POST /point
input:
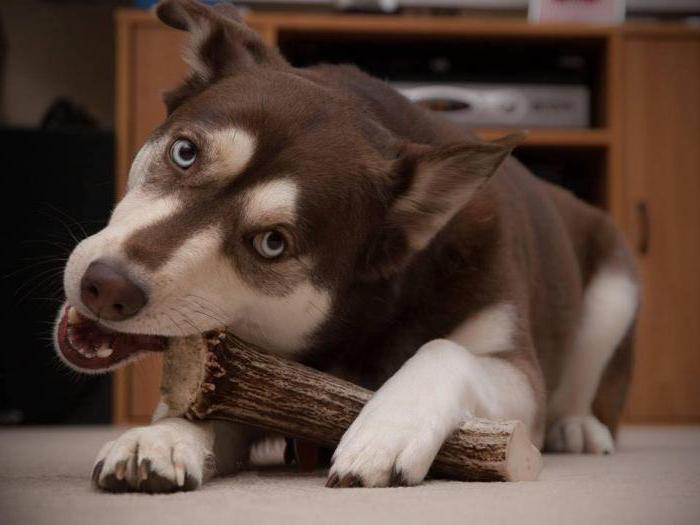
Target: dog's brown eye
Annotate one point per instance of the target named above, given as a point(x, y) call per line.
point(270, 244)
point(183, 153)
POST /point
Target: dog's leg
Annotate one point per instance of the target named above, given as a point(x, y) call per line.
point(169, 455)
point(398, 433)
point(610, 304)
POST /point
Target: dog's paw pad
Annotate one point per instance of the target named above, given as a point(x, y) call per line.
point(579, 434)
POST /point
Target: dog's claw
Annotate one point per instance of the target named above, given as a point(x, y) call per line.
point(180, 474)
point(96, 471)
point(120, 470)
point(350, 481)
point(144, 469)
point(332, 481)
point(397, 479)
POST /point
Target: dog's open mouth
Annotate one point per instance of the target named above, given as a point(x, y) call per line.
point(86, 344)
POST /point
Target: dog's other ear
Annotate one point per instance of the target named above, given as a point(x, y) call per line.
point(431, 184)
point(220, 43)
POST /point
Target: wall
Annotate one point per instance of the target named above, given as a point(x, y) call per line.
point(56, 49)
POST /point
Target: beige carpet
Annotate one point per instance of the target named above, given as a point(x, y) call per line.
point(654, 478)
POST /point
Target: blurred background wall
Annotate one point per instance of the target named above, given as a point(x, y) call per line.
point(56, 48)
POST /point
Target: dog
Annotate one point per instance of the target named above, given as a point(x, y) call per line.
point(320, 215)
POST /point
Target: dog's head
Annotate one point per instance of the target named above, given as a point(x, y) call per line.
point(263, 196)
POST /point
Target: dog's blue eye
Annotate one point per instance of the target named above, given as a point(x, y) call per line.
point(270, 244)
point(183, 153)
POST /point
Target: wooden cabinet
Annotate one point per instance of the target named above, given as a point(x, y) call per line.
point(642, 155)
point(661, 166)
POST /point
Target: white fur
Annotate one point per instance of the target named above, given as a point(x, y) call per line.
point(138, 209)
point(268, 451)
point(161, 411)
point(141, 163)
point(578, 434)
point(283, 324)
point(175, 447)
point(404, 424)
point(270, 202)
point(231, 151)
point(610, 303)
point(489, 331)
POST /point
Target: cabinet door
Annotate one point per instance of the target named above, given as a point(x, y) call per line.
point(662, 172)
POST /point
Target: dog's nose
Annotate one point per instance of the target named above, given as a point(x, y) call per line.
point(109, 294)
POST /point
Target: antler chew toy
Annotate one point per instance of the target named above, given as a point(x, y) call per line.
point(218, 376)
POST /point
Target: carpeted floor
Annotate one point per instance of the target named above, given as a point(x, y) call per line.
point(654, 478)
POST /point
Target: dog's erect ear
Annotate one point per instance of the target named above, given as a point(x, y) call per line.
point(431, 184)
point(220, 43)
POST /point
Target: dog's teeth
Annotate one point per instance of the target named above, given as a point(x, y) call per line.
point(86, 353)
point(72, 341)
point(104, 351)
point(73, 316)
point(180, 474)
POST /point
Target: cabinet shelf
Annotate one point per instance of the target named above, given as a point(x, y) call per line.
point(577, 138)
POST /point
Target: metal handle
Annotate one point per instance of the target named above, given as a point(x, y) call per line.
point(644, 234)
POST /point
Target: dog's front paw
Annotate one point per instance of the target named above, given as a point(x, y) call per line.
point(151, 459)
point(579, 434)
point(382, 449)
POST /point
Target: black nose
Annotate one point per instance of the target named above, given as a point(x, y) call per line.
point(109, 294)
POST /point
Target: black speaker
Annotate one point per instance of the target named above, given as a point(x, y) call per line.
point(57, 187)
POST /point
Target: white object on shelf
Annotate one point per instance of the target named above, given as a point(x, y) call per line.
point(595, 11)
point(507, 105)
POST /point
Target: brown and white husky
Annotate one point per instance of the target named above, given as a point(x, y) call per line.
point(320, 215)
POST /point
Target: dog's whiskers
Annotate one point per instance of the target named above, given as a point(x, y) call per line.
point(208, 304)
point(66, 226)
point(37, 264)
point(176, 327)
point(31, 286)
point(186, 319)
